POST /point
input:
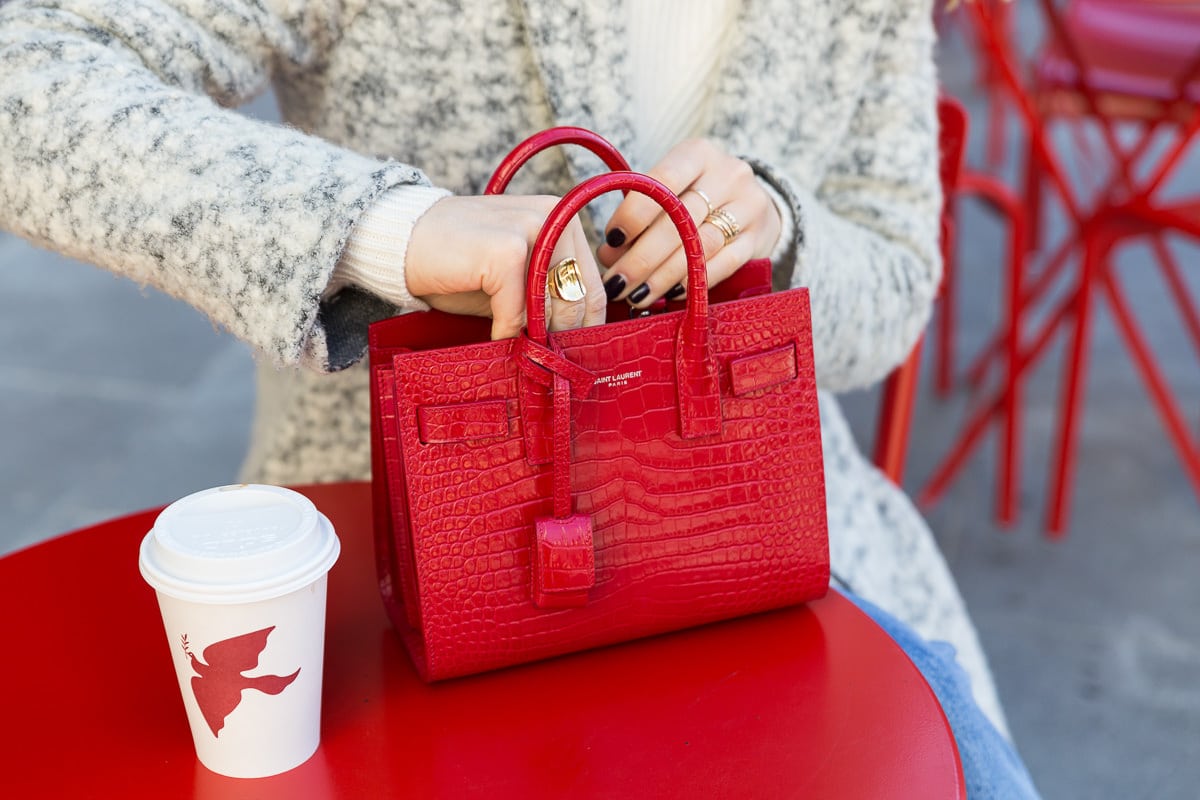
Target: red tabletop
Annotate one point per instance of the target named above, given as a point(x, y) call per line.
point(808, 702)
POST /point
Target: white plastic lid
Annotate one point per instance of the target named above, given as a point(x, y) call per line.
point(237, 544)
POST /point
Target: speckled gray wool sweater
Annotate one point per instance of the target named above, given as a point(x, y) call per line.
point(116, 146)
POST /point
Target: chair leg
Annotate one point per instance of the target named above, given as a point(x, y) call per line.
point(1179, 289)
point(983, 412)
point(895, 417)
point(884, 427)
point(1095, 251)
point(1156, 382)
point(1010, 465)
point(946, 313)
point(1032, 191)
point(997, 135)
point(996, 145)
point(978, 369)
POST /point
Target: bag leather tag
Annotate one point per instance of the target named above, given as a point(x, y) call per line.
point(564, 562)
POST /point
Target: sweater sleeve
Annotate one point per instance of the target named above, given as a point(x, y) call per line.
point(117, 147)
point(865, 241)
point(376, 253)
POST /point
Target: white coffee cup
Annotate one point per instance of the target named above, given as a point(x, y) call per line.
point(240, 573)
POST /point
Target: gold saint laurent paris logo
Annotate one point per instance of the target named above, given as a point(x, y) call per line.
point(619, 378)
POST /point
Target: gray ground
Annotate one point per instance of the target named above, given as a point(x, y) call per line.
point(113, 399)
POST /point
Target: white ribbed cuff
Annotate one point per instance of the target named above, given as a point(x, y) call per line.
point(787, 220)
point(374, 256)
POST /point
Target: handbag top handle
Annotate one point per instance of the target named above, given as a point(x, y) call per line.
point(548, 138)
point(573, 202)
point(699, 399)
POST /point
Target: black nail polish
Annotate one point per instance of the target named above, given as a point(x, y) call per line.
point(614, 286)
point(615, 237)
point(675, 291)
point(639, 294)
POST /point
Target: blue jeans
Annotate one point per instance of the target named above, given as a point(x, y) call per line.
point(991, 767)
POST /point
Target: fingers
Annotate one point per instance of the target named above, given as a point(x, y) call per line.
point(678, 170)
point(669, 278)
point(501, 275)
point(627, 278)
point(729, 259)
point(505, 283)
point(654, 265)
point(508, 311)
point(470, 254)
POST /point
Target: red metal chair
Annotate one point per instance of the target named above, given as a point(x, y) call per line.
point(1111, 62)
point(900, 389)
point(989, 78)
point(1003, 407)
point(1108, 62)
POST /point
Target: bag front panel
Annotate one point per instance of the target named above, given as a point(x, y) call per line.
point(686, 531)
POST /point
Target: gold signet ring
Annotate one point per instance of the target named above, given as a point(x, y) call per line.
point(565, 281)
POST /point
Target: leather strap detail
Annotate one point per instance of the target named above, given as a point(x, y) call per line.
point(562, 447)
point(562, 487)
point(564, 562)
point(536, 415)
point(537, 366)
point(699, 389)
point(461, 422)
point(763, 370)
point(695, 367)
point(551, 364)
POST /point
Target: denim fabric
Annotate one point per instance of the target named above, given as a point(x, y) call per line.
point(991, 767)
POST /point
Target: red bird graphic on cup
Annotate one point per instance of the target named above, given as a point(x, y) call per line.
point(219, 684)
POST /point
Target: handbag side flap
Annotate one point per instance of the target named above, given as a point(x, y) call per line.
point(393, 539)
point(763, 370)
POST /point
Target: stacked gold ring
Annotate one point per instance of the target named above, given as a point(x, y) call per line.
point(565, 281)
point(725, 222)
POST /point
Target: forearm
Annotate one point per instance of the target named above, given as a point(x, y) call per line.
point(376, 252)
point(109, 153)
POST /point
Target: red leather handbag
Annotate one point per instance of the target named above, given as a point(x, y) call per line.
point(555, 492)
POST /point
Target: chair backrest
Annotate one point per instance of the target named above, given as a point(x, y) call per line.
point(952, 144)
point(1142, 49)
point(900, 389)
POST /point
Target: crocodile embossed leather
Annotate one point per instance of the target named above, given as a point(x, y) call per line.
point(560, 491)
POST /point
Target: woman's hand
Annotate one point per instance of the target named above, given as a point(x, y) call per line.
point(643, 253)
point(469, 255)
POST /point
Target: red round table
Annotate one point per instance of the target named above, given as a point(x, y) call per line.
point(808, 702)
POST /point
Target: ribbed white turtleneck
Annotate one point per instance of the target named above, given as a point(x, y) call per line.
point(675, 53)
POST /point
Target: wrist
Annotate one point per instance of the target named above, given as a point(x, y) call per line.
point(787, 224)
point(375, 255)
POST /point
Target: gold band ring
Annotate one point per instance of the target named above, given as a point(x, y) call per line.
point(725, 222)
point(707, 200)
point(565, 281)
